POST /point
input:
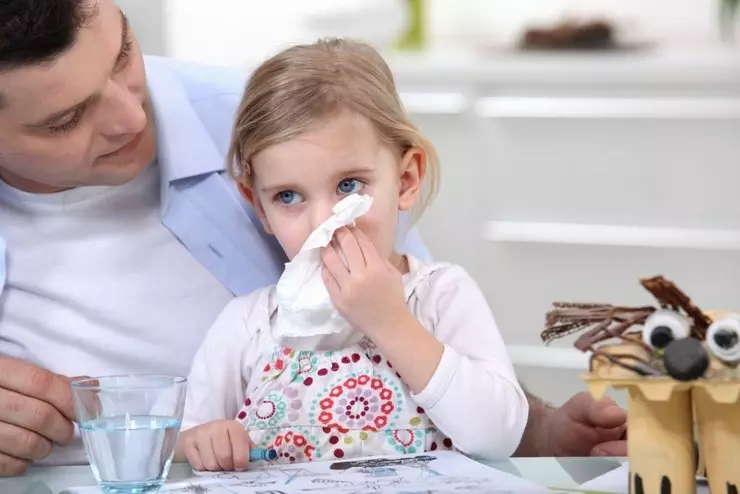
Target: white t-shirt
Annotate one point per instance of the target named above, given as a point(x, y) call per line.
point(277, 391)
point(97, 285)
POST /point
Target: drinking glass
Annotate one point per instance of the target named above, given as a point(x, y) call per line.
point(129, 425)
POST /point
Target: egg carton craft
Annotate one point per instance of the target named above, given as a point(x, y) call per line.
point(679, 366)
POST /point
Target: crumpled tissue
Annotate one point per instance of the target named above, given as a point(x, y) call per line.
point(304, 307)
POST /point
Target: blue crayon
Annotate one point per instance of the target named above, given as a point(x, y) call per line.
point(262, 454)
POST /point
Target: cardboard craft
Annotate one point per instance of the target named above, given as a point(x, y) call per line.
point(678, 366)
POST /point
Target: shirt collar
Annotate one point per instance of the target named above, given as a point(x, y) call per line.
point(184, 146)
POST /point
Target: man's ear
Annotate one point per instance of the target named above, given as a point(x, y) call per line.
point(253, 199)
point(413, 168)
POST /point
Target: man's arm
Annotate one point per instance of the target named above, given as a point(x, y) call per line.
point(535, 439)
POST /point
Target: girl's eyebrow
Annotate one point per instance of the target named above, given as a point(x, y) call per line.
point(277, 187)
point(357, 171)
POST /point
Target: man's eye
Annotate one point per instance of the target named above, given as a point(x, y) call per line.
point(125, 52)
point(69, 124)
point(349, 186)
point(288, 197)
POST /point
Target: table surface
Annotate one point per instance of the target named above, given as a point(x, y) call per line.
point(549, 472)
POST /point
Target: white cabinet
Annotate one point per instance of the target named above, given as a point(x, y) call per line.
point(569, 178)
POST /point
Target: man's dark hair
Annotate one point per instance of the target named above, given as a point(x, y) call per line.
point(38, 31)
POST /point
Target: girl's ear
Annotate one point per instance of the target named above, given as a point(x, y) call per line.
point(413, 169)
point(252, 198)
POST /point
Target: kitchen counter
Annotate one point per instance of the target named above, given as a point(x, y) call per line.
point(651, 66)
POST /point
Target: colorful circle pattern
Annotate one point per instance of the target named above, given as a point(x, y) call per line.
point(336, 404)
point(270, 412)
point(295, 445)
point(358, 402)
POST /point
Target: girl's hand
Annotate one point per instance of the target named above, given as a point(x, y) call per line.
point(222, 445)
point(367, 290)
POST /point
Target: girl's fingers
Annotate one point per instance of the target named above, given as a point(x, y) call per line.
point(369, 252)
point(334, 264)
point(349, 246)
point(193, 456)
point(240, 445)
point(208, 456)
point(221, 445)
point(329, 281)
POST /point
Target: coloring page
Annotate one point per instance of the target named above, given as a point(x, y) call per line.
point(431, 473)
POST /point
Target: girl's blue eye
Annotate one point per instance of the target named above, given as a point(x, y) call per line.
point(349, 186)
point(288, 197)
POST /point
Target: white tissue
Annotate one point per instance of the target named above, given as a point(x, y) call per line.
point(304, 307)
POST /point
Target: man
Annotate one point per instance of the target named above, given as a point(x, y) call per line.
point(124, 237)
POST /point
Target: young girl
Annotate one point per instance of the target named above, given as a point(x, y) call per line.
point(425, 367)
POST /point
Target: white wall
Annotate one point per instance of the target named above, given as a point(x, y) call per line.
point(148, 21)
point(232, 31)
point(237, 32)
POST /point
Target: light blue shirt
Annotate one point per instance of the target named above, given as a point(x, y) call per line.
point(194, 108)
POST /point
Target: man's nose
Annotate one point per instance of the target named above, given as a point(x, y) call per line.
point(123, 113)
point(685, 359)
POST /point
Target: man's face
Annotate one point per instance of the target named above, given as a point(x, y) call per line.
point(82, 119)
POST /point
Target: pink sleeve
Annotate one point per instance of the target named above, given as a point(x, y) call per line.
point(473, 397)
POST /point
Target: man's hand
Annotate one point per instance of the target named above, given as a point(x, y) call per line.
point(587, 427)
point(36, 412)
point(222, 445)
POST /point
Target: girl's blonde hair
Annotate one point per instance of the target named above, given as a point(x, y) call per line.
point(298, 87)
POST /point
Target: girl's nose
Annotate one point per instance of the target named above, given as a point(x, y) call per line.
point(321, 213)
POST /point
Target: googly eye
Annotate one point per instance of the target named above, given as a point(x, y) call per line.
point(723, 339)
point(664, 326)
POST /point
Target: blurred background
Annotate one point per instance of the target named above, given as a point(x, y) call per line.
point(584, 144)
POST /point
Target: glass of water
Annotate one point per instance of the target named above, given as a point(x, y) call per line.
point(130, 425)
